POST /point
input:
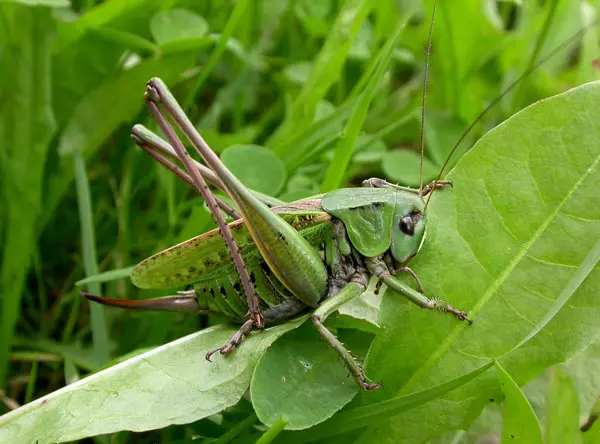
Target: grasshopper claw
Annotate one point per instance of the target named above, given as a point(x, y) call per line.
point(368, 385)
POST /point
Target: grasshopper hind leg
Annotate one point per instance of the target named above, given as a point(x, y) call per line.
point(272, 315)
point(235, 340)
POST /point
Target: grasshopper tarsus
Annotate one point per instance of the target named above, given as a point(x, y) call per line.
point(235, 340)
point(257, 319)
point(461, 315)
point(370, 385)
point(436, 184)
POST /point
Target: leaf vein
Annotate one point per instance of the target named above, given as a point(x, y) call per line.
point(495, 285)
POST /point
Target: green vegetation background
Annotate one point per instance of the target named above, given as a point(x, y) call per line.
point(78, 197)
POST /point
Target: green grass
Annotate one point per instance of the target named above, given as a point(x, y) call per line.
point(333, 89)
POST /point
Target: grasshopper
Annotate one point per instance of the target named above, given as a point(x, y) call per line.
point(276, 260)
point(274, 263)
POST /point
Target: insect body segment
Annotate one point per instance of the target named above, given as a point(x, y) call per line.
point(314, 253)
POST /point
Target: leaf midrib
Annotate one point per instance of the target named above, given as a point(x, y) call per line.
point(495, 285)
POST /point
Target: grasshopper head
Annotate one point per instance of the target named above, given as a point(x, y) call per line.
point(408, 226)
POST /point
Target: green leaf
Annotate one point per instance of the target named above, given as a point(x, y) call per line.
point(514, 236)
point(365, 307)
point(126, 39)
point(403, 166)
point(442, 131)
point(50, 3)
point(107, 276)
point(326, 71)
point(172, 384)
point(171, 25)
point(257, 167)
point(302, 379)
point(237, 14)
point(562, 416)
point(27, 125)
point(88, 247)
point(520, 425)
point(345, 146)
point(360, 417)
point(101, 111)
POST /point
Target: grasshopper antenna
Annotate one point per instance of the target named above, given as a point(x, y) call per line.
point(423, 104)
point(508, 89)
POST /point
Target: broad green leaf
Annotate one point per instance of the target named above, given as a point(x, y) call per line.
point(302, 379)
point(442, 131)
point(520, 425)
point(516, 233)
point(562, 414)
point(172, 384)
point(360, 417)
point(257, 167)
point(177, 24)
point(592, 436)
point(366, 306)
point(27, 125)
point(403, 166)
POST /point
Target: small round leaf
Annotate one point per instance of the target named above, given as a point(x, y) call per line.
point(403, 166)
point(177, 24)
point(257, 167)
point(302, 379)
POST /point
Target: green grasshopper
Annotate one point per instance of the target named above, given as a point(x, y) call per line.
point(274, 263)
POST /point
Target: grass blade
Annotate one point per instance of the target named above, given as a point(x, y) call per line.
point(325, 72)
point(88, 241)
point(345, 146)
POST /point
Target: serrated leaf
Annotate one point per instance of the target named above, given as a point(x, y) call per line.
point(520, 425)
point(172, 384)
point(301, 379)
point(504, 244)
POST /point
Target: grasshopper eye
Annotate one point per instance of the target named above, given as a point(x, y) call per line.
point(407, 225)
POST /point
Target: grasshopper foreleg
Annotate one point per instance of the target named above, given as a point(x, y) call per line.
point(201, 186)
point(378, 267)
point(435, 185)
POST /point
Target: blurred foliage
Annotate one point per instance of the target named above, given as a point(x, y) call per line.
point(77, 197)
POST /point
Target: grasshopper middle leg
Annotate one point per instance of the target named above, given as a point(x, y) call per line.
point(352, 290)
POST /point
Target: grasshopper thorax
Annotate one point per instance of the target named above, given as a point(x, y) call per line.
point(378, 220)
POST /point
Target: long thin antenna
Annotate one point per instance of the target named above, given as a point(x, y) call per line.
point(510, 87)
point(425, 97)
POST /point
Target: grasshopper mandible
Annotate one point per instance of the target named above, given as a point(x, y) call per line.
point(317, 253)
